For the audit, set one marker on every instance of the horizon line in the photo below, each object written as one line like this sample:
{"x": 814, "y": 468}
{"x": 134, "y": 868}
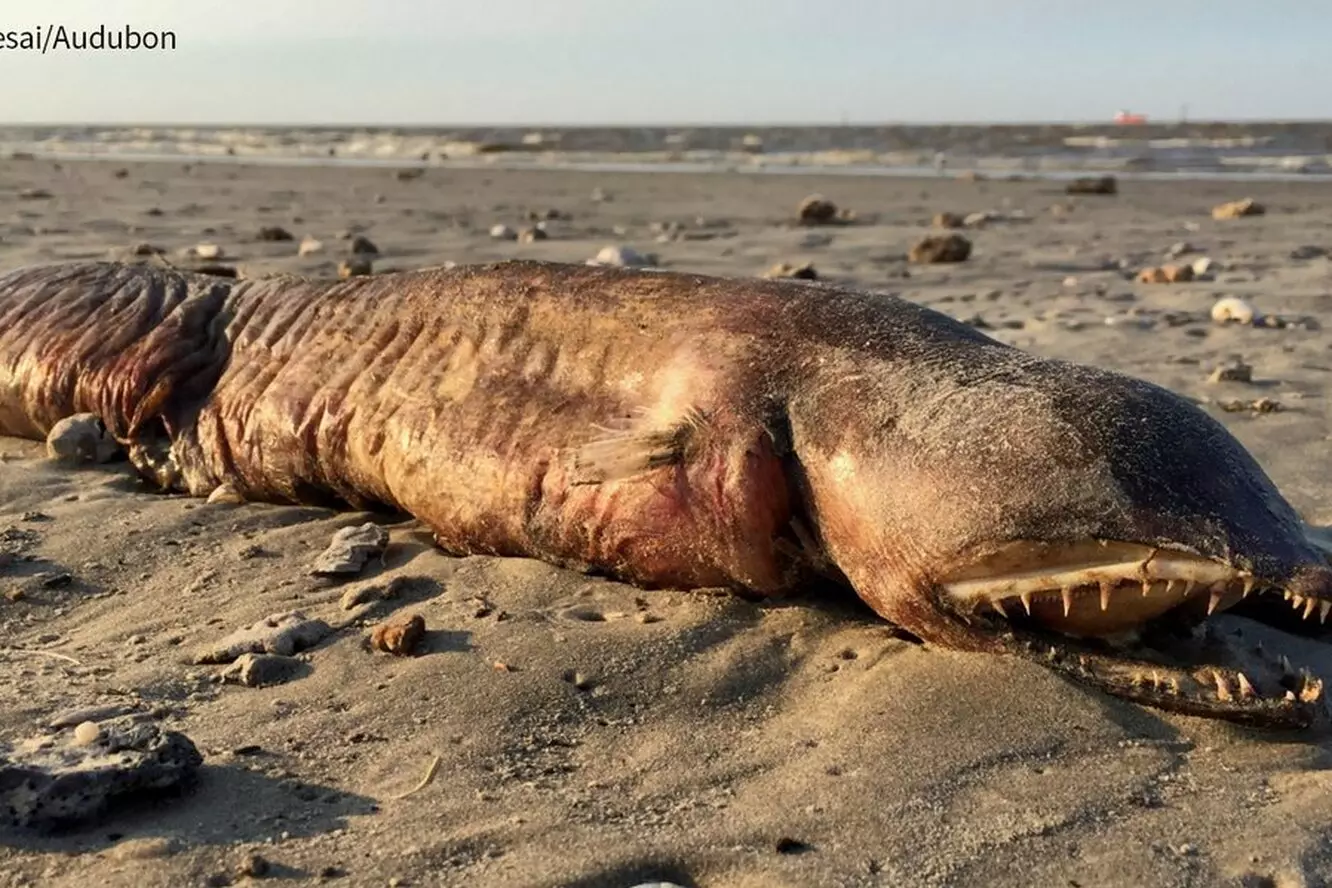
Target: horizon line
{"x": 1148, "y": 124}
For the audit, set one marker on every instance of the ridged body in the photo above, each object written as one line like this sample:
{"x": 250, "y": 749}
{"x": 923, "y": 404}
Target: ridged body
{"x": 668, "y": 429}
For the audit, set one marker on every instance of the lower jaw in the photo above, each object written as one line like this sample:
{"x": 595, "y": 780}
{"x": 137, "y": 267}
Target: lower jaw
{"x": 1194, "y": 672}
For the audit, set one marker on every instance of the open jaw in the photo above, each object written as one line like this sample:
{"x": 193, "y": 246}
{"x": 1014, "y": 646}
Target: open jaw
{"x": 1131, "y": 619}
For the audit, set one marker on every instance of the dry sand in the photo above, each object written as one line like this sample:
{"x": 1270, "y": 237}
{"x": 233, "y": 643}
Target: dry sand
{"x": 704, "y": 730}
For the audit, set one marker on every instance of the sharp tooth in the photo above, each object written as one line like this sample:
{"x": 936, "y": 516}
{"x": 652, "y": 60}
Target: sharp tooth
{"x": 1222, "y": 689}
{"x": 1249, "y": 583}
{"x": 1157, "y": 680}
{"x": 1285, "y": 665}
{"x": 1245, "y": 687}
{"x": 1174, "y": 685}
{"x": 994, "y": 603}
{"x": 1285, "y": 594}
{"x": 1067, "y": 594}
{"x": 1026, "y": 601}
{"x": 1106, "y": 588}
{"x": 1214, "y": 601}
{"x": 1146, "y": 589}
{"x": 1172, "y": 585}
{"x": 1290, "y": 696}
{"x": 1311, "y": 603}
{"x": 1188, "y": 588}
{"x": 1323, "y": 610}
{"x": 1296, "y": 601}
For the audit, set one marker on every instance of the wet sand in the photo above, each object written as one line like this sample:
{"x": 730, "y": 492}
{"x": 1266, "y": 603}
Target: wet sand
{"x": 631, "y": 736}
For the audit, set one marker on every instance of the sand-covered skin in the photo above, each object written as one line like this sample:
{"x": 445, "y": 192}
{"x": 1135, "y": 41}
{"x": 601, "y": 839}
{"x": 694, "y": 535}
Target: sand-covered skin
{"x": 589, "y": 733}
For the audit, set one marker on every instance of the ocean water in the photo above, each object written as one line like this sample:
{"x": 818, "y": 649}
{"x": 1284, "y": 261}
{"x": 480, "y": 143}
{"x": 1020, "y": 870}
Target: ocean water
{"x": 1183, "y": 149}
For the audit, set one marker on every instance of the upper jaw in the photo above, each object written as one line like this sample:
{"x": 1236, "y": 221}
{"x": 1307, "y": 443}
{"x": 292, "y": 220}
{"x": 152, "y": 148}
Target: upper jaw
{"x": 1104, "y": 613}
{"x": 1097, "y": 588}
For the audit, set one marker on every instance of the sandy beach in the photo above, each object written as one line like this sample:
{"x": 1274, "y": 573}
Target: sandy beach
{"x": 591, "y": 734}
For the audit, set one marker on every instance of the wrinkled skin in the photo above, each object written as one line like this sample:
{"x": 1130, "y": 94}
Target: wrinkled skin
{"x": 685, "y": 431}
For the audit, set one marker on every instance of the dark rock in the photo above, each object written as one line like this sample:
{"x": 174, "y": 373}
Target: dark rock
{"x": 1093, "y": 185}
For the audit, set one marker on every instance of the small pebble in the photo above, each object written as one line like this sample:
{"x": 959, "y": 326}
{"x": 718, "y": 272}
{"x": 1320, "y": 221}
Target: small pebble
{"x": 623, "y": 257}
{"x": 578, "y": 680}
{"x": 1234, "y": 370}
{"x": 355, "y": 267}
{"x": 262, "y": 670}
{"x": 87, "y": 733}
{"x": 790, "y": 271}
{"x": 254, "y": 867}
{"x": 400, "y": 636}
{"x": 363, "y": 246}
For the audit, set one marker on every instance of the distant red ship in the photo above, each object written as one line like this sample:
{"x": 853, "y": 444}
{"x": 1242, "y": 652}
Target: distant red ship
{"x": 1129, "y": 119}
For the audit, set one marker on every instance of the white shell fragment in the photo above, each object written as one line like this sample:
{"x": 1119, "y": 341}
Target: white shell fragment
{"x": 1232, "y": 309}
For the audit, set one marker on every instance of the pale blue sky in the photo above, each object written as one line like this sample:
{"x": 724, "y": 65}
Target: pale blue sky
{"x": 677, "y": 61}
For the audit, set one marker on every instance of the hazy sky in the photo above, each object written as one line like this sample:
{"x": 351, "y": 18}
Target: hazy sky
{"x": 673, "y": 61}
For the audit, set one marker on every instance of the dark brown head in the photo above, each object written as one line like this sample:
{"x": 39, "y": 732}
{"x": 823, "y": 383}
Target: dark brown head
{"x": 985, "y": 499}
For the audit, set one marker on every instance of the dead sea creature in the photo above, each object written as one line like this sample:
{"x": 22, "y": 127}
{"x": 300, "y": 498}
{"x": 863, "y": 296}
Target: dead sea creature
{"x": 742, "y": 433}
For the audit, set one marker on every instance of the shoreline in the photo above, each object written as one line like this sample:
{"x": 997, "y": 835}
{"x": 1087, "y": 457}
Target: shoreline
{"x": 698, "y": 167}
